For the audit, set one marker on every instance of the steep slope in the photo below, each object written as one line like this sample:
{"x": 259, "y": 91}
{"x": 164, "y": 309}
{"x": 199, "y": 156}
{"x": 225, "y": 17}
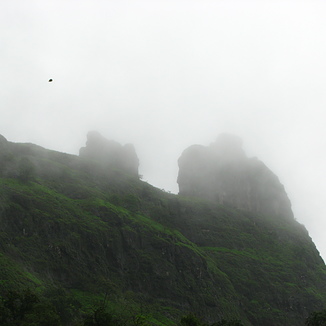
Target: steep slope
{"x": 96, "y": 231}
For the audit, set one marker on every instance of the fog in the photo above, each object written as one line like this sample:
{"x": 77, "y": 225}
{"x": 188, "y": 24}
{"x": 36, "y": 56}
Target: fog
{"x": 164, "y": 75}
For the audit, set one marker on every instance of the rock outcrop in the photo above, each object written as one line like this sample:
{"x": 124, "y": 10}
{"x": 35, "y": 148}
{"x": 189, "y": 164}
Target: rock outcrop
{"x": 222, "y": 173}
{"x": 111, "y": 153}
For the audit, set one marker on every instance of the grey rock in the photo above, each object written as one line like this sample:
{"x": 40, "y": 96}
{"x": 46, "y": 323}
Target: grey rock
{"x": 222, "y": 173}
{"x": 111, "y": 153}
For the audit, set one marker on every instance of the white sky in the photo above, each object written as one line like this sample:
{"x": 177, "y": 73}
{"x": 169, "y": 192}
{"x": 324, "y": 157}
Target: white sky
{"x": 164, "y": 75}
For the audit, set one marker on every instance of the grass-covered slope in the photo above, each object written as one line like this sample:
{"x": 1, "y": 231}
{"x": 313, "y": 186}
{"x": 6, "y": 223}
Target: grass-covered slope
{"x": 70, "y": 223}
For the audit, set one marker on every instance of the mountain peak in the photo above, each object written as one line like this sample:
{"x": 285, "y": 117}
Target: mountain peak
{"x": 228, "y": 147}
{"x": 223, "y": 173}
{"x": 111, "y": 153}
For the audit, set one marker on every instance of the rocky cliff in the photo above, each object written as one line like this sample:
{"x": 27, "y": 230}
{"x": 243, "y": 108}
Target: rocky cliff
{"x": 80, "y": 232}
{"x": 224, "y": 174}
{"x": 111, "y": 153}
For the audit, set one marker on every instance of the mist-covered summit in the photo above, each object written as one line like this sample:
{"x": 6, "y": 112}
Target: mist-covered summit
{"x": 111, "y": 153}
{"x": 222, "y": 172}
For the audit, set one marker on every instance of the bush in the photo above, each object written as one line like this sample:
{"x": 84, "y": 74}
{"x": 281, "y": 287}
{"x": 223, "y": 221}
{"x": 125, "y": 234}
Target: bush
{"x": 190, "y": 320}
{"x": 100, "y": 317}
{"x": 317, "y": 318}
{"x": 224, "y": 322}
{"x": 26, "y": 309}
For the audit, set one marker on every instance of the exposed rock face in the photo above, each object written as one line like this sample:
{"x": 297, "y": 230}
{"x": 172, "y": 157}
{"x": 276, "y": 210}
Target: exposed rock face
{"x": 221, "y": 172}
{"x": 111, "y": 153}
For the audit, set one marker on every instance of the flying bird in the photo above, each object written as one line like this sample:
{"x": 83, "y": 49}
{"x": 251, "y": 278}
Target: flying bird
{"x": 50, "y": 80}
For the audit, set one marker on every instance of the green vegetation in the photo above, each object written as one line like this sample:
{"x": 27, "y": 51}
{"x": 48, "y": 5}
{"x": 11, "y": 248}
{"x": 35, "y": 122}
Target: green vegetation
{"x": 26, "y": 309}
{"x": 317, "y": 318}
{"x": 83, "y": 244}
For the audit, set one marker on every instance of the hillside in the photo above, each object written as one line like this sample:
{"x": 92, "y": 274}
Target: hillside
{"x": 95, "y": 233}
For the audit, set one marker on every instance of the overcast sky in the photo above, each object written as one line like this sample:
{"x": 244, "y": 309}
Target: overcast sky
{"x": 164, "y": 75}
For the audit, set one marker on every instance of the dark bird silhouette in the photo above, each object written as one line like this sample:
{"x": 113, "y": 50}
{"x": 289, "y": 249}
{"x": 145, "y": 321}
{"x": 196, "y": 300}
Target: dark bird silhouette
{"x": 50, "y": 80}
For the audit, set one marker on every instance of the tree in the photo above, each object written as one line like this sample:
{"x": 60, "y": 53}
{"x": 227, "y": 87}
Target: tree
{"x": 224, "y": 322}
{"x": 190, "y": 320}
{"x": 15, "y": 305}
{"x": 65, "y": 304}
{"x": 139, "y": 320}
{"x": 26, "y": 309}
{"x": 100, "y": 317}
{"x": 317, "y": 318}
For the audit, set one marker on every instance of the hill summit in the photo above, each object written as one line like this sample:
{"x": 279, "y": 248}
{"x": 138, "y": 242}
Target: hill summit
{"x": 93, "y": 241}
{"x": 224, "y": 174}
{"x": 111, "y": 153}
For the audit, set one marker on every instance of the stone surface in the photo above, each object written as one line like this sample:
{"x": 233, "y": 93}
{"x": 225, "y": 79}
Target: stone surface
{"x": 111, "y": 153}
{"x": 222, "y": 173}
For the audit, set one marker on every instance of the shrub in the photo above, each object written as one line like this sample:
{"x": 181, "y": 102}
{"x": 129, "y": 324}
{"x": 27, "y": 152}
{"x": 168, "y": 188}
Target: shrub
{"x": 317, "y": 318}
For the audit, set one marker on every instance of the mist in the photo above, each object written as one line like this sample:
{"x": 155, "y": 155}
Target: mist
{"x": 164, "y": 75}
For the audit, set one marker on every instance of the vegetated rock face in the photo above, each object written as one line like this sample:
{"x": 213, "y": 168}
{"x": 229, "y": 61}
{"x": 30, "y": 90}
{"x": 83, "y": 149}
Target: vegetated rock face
{"x": 76, "y": 224}
{"x": 111, "y": 153}
{"x": 223, "y": 173}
